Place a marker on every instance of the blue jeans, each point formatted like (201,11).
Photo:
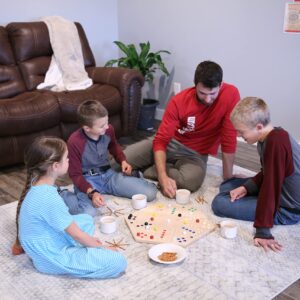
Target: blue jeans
(78,203)
(117,184)
(244,208)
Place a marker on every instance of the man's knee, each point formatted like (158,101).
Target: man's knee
(139,149)
(151,173)
(191,181)
(191,185)
(188,174)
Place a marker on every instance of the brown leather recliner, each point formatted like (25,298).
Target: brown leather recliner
(25,112)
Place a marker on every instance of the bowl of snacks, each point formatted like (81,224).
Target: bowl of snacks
(167,253)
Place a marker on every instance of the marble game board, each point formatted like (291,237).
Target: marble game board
(169,223)
(215,268)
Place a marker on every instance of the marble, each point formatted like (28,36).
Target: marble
(215,268)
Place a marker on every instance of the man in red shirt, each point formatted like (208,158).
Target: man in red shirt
(196,121)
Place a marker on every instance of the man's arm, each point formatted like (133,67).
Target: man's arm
(227,159)
(228,134)
(168,184)
(162,138)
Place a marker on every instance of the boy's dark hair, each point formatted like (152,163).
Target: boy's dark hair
(89,111)
(209,73)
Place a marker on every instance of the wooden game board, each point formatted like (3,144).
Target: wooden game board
(169,223)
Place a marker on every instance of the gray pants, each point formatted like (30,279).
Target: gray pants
(184,165)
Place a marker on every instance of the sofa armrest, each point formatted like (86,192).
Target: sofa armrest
(129,83)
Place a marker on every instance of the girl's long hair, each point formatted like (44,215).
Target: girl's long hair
(39,156)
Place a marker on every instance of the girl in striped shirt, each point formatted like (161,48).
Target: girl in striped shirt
(56,241)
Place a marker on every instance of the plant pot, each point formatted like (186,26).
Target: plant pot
(147,114)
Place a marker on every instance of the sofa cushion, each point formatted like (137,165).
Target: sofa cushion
(33,51)
(27,113)
(108,95)
(11,82)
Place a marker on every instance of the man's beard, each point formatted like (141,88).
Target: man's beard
(203,102)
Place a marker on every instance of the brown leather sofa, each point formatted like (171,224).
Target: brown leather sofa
(25,112)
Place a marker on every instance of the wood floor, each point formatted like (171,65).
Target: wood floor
(12,181)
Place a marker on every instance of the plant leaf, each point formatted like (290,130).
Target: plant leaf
(163,51)
(146,62)
(145,47)
(122,46)
(111,62)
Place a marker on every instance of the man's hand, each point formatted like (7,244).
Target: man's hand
(168,186)
(238,193)
(268,244)
(97,200)
(126,167)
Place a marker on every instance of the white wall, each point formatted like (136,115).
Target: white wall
(245,37)
(98,18)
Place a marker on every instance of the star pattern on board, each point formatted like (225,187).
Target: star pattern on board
(117,244)
(116,212)
(200,199)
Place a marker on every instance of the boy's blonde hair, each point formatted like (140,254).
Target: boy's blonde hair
(89,111)
(250,111)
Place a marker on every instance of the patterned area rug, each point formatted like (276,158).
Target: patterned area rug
(215,268)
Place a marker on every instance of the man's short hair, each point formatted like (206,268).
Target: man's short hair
(209,73)
(89,111)
(251,111)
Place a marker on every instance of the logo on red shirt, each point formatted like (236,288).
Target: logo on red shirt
(190,126)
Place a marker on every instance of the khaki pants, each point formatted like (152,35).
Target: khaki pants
(184,165)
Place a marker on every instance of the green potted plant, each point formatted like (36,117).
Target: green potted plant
(147,63)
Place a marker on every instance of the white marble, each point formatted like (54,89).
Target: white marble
(215,268)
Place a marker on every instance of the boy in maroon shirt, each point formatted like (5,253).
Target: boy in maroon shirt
(89,166)
(272,196)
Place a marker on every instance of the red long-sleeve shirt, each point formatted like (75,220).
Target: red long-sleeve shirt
(199,127)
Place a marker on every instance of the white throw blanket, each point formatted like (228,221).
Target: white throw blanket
(66,70)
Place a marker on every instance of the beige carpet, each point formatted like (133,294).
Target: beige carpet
(215,268)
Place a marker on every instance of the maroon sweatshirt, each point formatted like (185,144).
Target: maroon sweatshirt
(278,182)
(86,154)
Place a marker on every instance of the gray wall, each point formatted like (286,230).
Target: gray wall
(98,17)
(245,37)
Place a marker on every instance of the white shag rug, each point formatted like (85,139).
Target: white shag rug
(215,268)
